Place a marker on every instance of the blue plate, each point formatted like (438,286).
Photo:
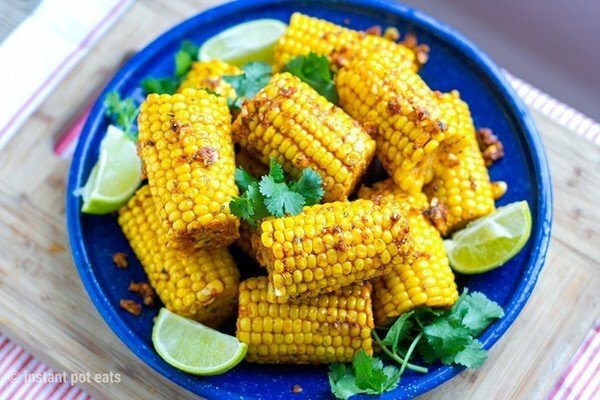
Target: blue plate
(454,64)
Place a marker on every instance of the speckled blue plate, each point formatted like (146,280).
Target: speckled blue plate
(454,64)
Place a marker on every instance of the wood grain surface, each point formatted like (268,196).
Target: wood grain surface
(44,306)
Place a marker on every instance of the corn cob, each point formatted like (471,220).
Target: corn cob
(428,280)
(307,34)
(208,75)
(202,286)
(325,329)
(461,180)
(290,121)
(401,111)
(329,246)
(186,146)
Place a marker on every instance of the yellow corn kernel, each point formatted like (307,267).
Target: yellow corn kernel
(313,133)
(308,34)
(426,281)
(209,75)
(187,149)
(322,330)
(461,181)
(323,263)
(202,285)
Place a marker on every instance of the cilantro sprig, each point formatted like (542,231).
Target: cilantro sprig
(255,77)
(314,70)
(184,58)
(273,195)
(122,113)
(448,336)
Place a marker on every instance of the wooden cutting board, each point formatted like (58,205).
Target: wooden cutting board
(44,306)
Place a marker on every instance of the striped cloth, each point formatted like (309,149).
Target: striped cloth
(47,45)
(24,377)
(581,379)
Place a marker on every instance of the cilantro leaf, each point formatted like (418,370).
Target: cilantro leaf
(314,70)
(121,112)
(276,170)
(166,85)
(398,332)
(367,375)
(187,54)
(183,60)
(243,179)
(242,207)
(279,199)
(476,312)
(445,339)
(310,186)
(256,76)
(472,356)
(272,195)
(342,382)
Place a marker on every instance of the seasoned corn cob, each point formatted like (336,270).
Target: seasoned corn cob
(290,121)
(202,286)
(307,34)
(461,180)
(428,280)
(186,146)
(326,329)
(401,111)
(208,75)
(331,245)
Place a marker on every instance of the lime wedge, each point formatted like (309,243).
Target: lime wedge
(249,41)
(116,175)
(490,241)
(194,348)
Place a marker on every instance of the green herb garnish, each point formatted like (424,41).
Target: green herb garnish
(273,195)
(447,336)
(122,113)
(184,58)
(366,375)
(255,77)
(314,70)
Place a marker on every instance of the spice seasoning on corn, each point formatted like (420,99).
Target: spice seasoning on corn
(187,149)
(290,121)
(325,329)
(202,286)
(328,246)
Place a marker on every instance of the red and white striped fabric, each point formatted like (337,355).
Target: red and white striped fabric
(581,379)
(23,377)
(61,32)
(558,112)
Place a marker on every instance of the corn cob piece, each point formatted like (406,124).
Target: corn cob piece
(426,281)
(402,113)
(307,34)
(461,180)
(328,246)
(208,75)
(186,146)
(290,121)
(326,329)
(202,286)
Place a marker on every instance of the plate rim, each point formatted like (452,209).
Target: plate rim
(485,67)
